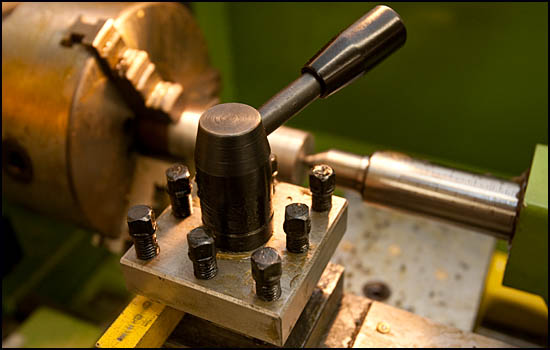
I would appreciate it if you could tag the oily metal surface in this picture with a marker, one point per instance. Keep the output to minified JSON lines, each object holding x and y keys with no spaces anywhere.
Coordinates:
{"x":308,"y":331}
{"x":395,"y":180}
{"x":229,"y":299}
{"x":432,"y":269}
{"x":102,"y":137}
{"x":291,"y":146}
{"x":39,"y":78}
{"x":477,"y":201}
{"x":234,"y":176}
{"x":70,"y":119}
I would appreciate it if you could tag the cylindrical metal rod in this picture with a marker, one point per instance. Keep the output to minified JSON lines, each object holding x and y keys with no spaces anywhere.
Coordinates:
{"x":234,"y":177}
{"x":176,"y":141}
{"x":391,"y":179}
{"x":291,"y":146}
{"x":289,"y":102}
{"x":346,"y":57}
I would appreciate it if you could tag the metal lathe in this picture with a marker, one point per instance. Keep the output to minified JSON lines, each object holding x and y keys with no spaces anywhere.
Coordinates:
{"x":107,"y":106}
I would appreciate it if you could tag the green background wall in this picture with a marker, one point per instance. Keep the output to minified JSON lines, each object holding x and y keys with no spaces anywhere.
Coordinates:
{"x":469,"y":88}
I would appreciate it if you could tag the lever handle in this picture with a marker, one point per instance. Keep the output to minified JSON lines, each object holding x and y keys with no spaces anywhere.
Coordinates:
{"x":345,"y":58}
{"x":357,"y":49}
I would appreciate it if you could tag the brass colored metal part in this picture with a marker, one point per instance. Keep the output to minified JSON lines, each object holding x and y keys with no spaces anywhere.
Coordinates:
{"x":383,"y":327}
{"x":77,"y":132}
{"x":141,"y":81}
{"x":229,"y":298}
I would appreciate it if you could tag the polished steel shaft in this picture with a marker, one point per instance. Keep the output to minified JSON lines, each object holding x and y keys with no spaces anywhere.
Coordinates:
{"x":391,"y":179}
{"x":345,"y":58}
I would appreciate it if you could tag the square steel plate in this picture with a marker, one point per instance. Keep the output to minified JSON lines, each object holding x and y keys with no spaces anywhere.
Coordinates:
{"x":229,"y":299}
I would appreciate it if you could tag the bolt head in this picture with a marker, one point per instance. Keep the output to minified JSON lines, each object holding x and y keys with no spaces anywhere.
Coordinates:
{"x":297,"y":220}
{"x":322,"y":179}
{"x":201,"y":245}
{"x":266,"y":265}
{"x":178,"y":179}
{"x":141,"y":220}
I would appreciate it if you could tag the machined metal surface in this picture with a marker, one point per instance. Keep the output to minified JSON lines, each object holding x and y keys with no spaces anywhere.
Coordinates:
{"x":70,"y":119}
{"x":178,"y":140}
{"x":351,"y":169}
{"x":394,"y":180}
{"x":291,"y":146}
{"x":308,"y":331}
{"x":146,"y":323}
{"x":131,"y":69}
{"x":234,"y":176}
{"x":386,"y":326}
{"x":476,"y":201}
{"x":432,"y":269}
{"x":229,"y":298}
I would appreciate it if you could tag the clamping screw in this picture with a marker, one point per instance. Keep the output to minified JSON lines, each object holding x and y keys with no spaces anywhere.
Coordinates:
{"x":178,"y":181}
{"x":202,"y":252}
{"x":322,"y":182}
{"x":297,"y":226}
{"x":266,"y":271}
{"x":142,"y":227}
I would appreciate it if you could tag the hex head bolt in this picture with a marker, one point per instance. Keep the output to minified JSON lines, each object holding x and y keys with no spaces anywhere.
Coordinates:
{"x":142,"y":227}
{"x":202,"y":252}
{"x":266,"y":271}
{"x":322,"y":182}
{"x":178,"y":181}
{"x":297,"y":226}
